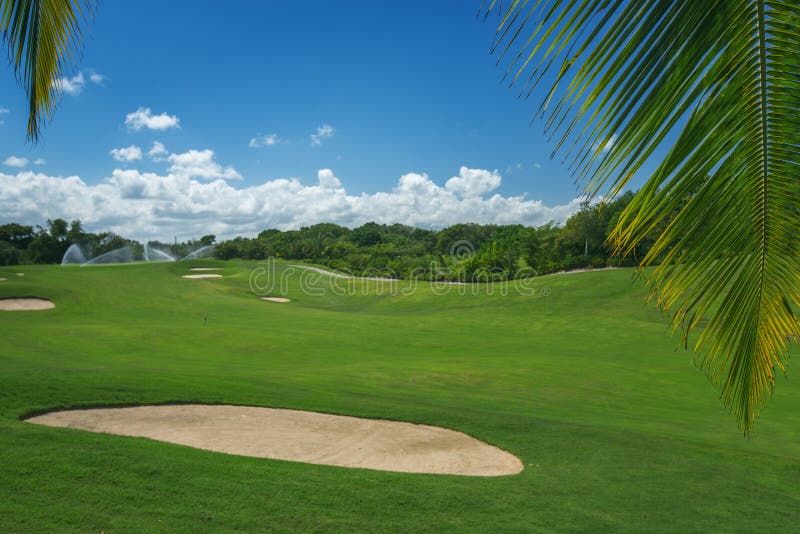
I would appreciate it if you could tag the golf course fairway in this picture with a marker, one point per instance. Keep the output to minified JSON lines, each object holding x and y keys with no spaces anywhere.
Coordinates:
{"x":575,"y":376}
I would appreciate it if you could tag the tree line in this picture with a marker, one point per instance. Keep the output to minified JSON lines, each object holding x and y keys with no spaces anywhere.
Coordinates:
{"x":465,"y":251}
{"x":25,"y":244}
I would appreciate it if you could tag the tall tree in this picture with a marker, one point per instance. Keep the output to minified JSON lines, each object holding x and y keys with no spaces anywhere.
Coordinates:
{"x":43,"y":37}
{"x":713,"y":85}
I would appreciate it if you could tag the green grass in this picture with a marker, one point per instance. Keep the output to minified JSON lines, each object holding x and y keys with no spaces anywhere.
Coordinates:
{"x":617,"y":431}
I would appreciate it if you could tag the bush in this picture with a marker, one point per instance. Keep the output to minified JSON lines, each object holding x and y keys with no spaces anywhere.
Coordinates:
{"x":9,"y":255}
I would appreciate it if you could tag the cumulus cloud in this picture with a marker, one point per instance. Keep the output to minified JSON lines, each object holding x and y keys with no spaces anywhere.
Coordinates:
{"x":200,"y":164}
{"x":151,"y":206}
{"x":71,"y":86}
{"x":264,"y":140}
{"x":39,"y":161}
{"x":131,"y":153}
{"x":14,"y":161}
{"x":3,"y":110}
{"x":473,"y":182}
{"x":327,"y":180}
{"x":144,"y":118}
{"x":325,"y":131}
{"x":157,"y":151}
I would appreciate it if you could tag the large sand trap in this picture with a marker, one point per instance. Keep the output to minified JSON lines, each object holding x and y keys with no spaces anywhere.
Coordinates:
{"x":276,"y":299}
{"x":299,"y":436}
{"x":202,"y":276}
{"x":25,"y":304}
{"x":206,"y":269}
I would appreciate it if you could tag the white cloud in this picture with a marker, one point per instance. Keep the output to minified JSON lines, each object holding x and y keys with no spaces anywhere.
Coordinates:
{"x":200,"y":164}
{"x":131,"y":153}
{"x":75,"y":85}
{"x":607,"y":146}
{"x":71,"y":86}
{"x":3,"y":110}
{"x":39,"y":161}
{"x":264,"y":140}
{"x":157,"y":151}
{"x":144,"y":205}
{"x":327,"y":180}
{"x":511,"y":168}
{"x":144,"y":118}
{"x":537,"y":165}
{"x":473,"y":182}
{"x":325,"y":131}
{"x":97,"y":78}
{"x":14,"y":161}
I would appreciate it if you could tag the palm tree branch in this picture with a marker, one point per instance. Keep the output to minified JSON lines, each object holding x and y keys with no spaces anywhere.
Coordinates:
{"x":714,"y":86}
{"x":42,"y":37}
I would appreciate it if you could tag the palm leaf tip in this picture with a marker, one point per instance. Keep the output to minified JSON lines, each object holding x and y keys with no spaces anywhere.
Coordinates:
{"x":42,"y":38}
{"x":712,"y":86}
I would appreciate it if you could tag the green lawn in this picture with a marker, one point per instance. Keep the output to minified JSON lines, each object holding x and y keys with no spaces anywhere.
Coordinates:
{"x":616,"y":429}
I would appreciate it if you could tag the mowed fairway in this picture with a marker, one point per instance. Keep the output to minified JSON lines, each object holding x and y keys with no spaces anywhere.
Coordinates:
{"x":615,"y":428}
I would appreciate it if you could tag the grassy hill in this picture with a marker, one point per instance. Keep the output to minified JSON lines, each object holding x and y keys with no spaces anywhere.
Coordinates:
{"x":580,"y":380}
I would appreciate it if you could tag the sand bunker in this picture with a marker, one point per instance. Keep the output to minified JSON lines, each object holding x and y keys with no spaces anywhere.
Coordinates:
{"x":202,"y":276}
{"x":26,"y":304}
{"x":206,"y":269}
{"x":299,"y":436}
{"x":3,"y":279}
{"x":276,"y":299}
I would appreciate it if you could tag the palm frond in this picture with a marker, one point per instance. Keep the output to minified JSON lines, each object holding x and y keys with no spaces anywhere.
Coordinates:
{"x":42,"y":37}
{"x":714,"y":84}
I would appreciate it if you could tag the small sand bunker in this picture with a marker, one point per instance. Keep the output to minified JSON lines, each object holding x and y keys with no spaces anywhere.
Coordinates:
{"x":202,"y":276}
{"x":276,"y":299}
{"x":206,"y":269}
{"x":26,"y":304}
{"x":299,"y":436}
{"x":3,"y":279}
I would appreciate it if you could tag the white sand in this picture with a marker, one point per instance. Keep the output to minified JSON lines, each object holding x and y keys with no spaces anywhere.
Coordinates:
{"x":20,"y":274}
{"x":25,"y":304}
{"x":299,"y":436}
{"x":206,"y":269}
{"x":202,"y":276}
{"x":276,"y":299}
{"x":3,"y":279}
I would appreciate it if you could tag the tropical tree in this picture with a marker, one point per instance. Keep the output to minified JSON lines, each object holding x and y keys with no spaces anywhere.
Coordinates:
{"x":708,"y":90}
{"x":43,"y":38}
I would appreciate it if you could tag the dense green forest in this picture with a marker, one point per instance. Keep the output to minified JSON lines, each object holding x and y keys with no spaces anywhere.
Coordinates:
{"x":467,"y":252}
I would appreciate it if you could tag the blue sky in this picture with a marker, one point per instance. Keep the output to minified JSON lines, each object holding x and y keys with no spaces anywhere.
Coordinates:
{"x":390,"y":90}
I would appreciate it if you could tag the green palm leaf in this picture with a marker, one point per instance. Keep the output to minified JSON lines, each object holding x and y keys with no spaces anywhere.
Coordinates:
{"x":716,"y":83}
{"x":42,"y":37}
